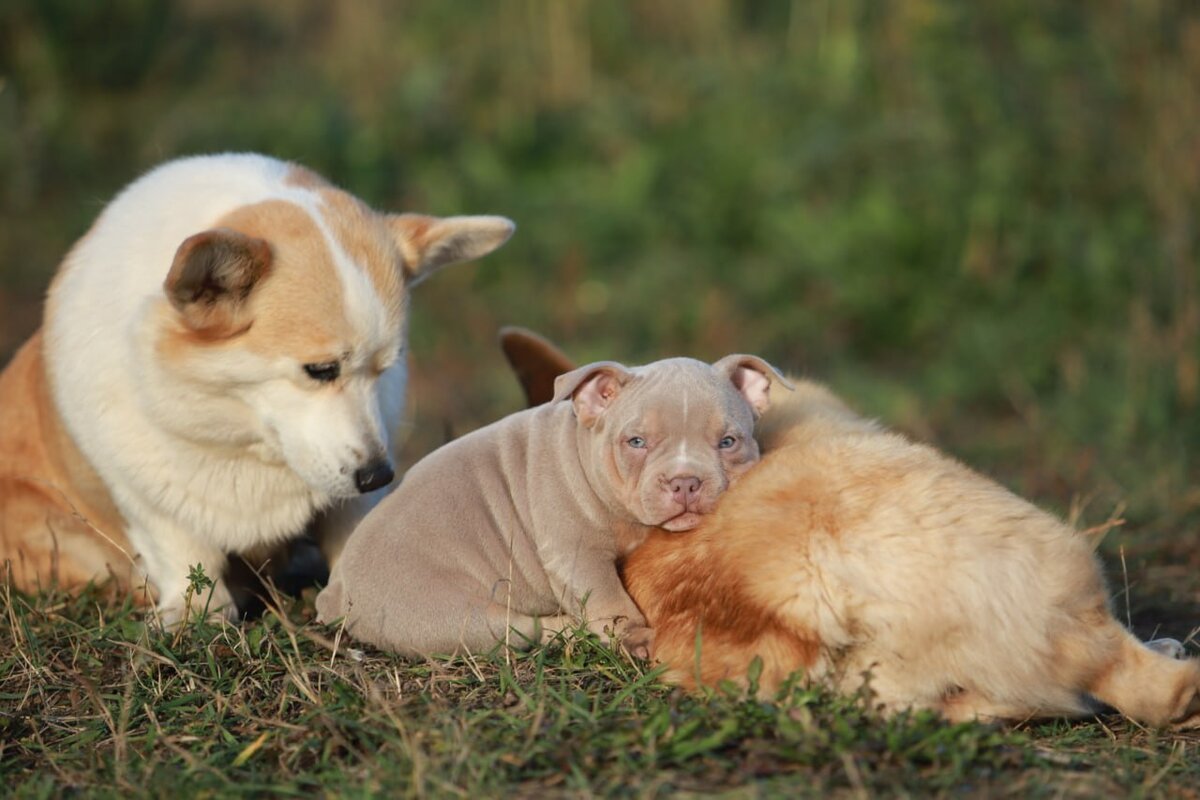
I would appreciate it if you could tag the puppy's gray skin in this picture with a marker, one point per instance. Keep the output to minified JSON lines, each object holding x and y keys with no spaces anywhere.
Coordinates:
{"x":516,"y":526}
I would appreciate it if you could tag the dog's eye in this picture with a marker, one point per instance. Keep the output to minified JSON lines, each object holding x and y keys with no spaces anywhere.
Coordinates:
{"x":636,"y":442}
{"x":326,"y":372}
{"x":727,"y":443}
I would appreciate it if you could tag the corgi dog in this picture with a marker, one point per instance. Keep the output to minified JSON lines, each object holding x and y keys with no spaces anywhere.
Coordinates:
{"x":870,"y":562}
{"x":219,"y":369}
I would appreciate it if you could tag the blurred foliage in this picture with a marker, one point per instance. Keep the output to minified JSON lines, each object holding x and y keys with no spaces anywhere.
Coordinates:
{"x":978,"y":220}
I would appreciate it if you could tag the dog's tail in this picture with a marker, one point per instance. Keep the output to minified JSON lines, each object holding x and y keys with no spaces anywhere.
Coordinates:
{"x":535,"y":361}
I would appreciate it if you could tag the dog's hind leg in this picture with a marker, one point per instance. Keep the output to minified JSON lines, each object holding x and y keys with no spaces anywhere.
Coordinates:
{"x":1148,"y":684}
{"x":970,"y":705}
{"x":49,"y":545}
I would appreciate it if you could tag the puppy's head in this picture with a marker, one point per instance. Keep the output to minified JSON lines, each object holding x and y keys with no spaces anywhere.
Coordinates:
{"x":663,"y":441}
{"x":289,"y":316}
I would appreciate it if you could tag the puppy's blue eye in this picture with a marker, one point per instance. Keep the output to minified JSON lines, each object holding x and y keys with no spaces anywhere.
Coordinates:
{"x":326,"y":372}
{"x":727,"y":443}
{"x":636,"y":441}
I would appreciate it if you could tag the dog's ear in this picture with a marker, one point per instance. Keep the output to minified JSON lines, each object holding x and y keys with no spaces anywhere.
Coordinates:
{"x":430,"y":243}
{"x":592,"y":388}
{"x":535,"y":361}
{"x":752,"y":377}
{"x":211,"y":277}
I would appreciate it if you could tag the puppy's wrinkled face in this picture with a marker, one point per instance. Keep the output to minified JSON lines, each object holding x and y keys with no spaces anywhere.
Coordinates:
{"x":665,"y":440}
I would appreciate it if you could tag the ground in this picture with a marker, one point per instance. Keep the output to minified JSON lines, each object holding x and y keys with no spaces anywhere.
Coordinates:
{"x":94,"y":700}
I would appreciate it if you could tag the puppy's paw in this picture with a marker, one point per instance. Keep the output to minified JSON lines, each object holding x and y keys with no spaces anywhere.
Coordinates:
{"x":1171,"y":648}
{"x":638,"y":641}
{"x":630,"y":633}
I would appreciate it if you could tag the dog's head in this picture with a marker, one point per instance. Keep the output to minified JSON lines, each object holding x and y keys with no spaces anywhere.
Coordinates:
{"x":289,"y":317}
{"x":665,"y":440}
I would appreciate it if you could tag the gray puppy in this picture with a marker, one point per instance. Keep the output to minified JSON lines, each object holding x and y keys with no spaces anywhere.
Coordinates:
{"x":518,"y":526}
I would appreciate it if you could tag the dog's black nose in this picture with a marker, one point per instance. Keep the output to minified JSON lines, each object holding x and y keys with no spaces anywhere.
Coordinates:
{"x":373,"y":476}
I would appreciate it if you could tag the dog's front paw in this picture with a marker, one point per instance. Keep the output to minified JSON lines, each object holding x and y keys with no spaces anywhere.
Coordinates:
{"x":215,"y":606}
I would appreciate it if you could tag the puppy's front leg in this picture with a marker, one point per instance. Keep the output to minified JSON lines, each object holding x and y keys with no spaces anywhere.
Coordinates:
{"x":607,"y":608}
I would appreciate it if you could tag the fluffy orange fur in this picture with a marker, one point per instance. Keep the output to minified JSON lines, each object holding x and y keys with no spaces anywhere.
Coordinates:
{"x":862,"y":558}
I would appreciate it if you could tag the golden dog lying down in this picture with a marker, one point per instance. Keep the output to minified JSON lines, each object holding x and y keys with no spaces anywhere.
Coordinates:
{"x":857,"y":555}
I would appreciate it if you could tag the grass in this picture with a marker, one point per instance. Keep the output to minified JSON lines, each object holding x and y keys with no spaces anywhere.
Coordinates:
{"x":95,"y":701}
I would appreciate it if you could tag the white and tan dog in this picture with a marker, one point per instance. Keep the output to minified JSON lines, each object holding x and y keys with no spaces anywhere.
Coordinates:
{"x":221,"y":362}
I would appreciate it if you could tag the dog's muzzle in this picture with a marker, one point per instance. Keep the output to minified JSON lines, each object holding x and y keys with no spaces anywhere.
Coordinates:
{"x":373,"y":476}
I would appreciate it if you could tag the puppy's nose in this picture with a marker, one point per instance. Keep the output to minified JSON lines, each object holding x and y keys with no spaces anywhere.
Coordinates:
{"x":684,"y":489}
{"x":373,"y":476}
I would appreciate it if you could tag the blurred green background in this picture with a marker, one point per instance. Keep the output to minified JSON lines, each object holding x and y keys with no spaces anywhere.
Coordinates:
{"x":979,"y":221}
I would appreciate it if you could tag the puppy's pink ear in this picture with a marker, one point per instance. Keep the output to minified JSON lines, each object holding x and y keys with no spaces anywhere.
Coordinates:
{"x":592,"y":388}
{"x":752,"y":377}
{"x":211,"y":278}
{"x":430,"y":243}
